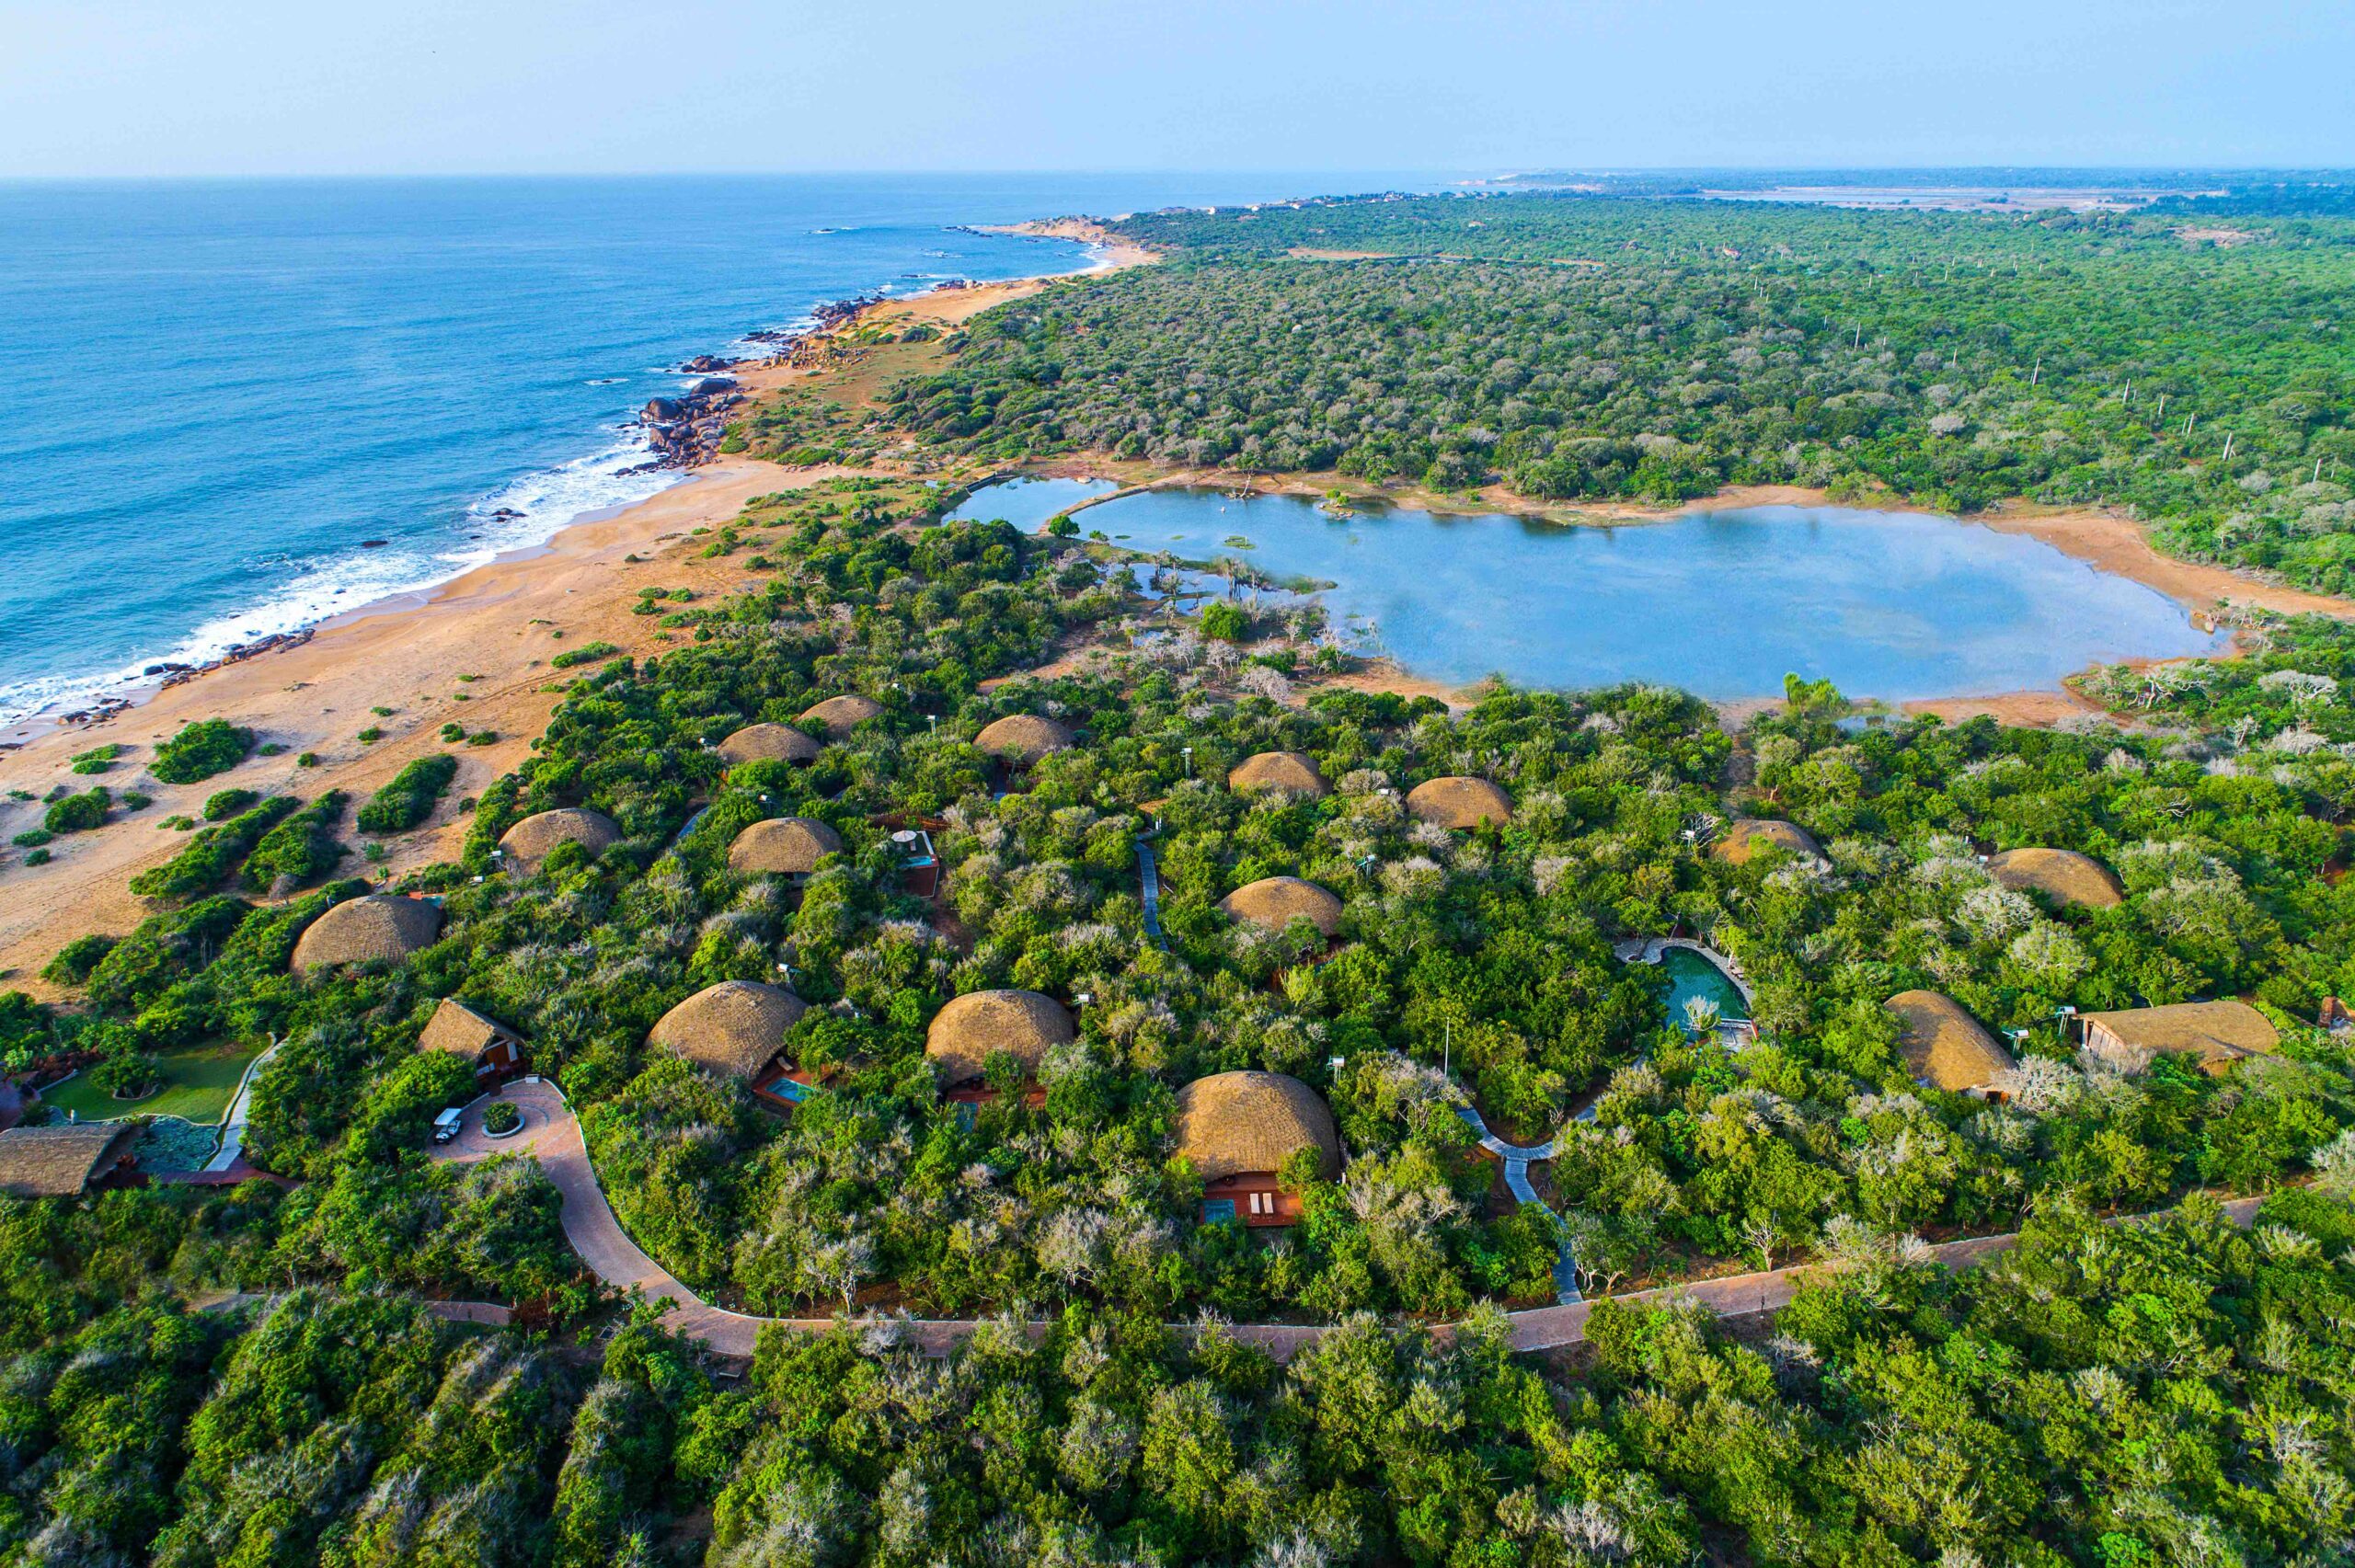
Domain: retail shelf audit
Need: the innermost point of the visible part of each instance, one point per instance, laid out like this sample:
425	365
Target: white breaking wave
538	506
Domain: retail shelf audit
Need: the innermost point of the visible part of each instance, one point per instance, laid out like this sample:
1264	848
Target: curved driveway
553	1133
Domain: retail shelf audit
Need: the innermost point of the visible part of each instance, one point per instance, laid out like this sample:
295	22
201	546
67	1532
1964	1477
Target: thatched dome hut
63	1162
1283	773
489	1047
733	1029
1459	803
1745	836
769	743
1945	1046
1021	740
841	715
2066	878
976	1026
1235	1124
359	931
2217	1033
1274	902
782	846
530	843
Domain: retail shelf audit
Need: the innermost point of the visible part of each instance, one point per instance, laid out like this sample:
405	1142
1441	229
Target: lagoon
1895	606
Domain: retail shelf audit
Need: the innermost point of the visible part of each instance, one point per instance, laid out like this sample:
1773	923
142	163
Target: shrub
137	800
301	849
587	653
37	857
202	750
212	854
75	961
483	737
501	1117
79	813
1227	622
32	838
99	759
307	760
370	735
227	803
408	799
126	1072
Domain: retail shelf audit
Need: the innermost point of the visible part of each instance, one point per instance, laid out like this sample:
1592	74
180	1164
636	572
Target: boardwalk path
551	1131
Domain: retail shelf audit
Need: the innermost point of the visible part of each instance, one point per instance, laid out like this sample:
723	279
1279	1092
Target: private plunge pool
1895	606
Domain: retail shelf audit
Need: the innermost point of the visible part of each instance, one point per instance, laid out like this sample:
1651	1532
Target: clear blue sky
383	86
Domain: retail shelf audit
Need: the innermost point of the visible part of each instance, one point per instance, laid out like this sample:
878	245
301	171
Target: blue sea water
218	390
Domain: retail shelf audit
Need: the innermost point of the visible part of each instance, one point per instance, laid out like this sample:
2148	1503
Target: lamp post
1189	761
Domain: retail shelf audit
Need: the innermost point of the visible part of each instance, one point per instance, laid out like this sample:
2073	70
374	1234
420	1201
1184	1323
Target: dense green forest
2148	1394
1582	347
2136	1394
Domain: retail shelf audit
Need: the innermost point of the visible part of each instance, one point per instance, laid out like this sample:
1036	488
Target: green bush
227	803
37	857
1227	622
501	1117
301	849
75	961
213	854
202	750
587	653
32	838
79	813
408	799
99	759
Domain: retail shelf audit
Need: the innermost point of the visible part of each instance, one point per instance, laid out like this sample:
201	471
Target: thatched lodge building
1237	1129
1944	1046
980	1024
2217	1033
495	1051
1459	803
769	743
1745	836
69	1161
526	846
841	715
735	1029
1272	903
790	847
1279	773
376	928
1019	742
2069	879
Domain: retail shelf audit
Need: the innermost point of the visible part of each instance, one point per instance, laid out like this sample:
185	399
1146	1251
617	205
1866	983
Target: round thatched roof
1275	902
769	743
2218	1033
976	1026
2064	876
1290	773
841	715
1233	1124
782	846
1745	836
1459	802
535	838
1023	739
734	1028
358	930
1945	1045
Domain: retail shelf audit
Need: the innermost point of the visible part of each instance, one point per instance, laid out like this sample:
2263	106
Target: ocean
220	390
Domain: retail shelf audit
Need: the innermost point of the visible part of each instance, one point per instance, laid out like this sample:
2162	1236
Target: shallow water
1895	606
1028	503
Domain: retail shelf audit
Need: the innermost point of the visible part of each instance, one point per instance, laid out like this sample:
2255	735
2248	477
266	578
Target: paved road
551	1131
233	1125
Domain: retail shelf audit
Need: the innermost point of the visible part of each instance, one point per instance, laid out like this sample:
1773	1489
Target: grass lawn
197	1083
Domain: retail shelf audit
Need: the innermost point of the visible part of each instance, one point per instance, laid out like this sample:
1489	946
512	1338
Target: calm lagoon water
1891	606
1028	503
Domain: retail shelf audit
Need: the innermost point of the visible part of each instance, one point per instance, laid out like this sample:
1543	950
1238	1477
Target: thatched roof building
1283	773
1745	836
782	846
1238	1124
1945	1046
841	715
2064	877
531	842
1022	740
733	1029
359	931
1459	803
1274	902
769	743
63	1162
2218	1033
976	1026
458	1029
